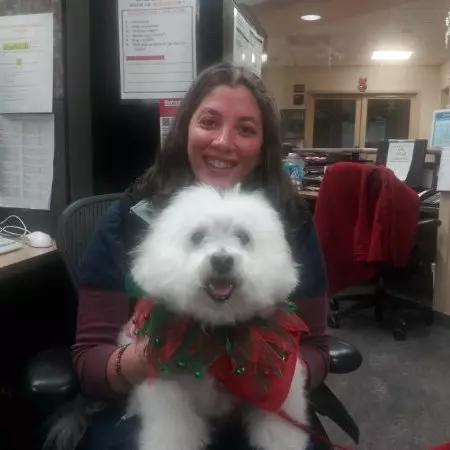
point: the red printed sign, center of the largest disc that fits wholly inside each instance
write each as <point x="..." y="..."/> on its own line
<point x="167" y="111"/>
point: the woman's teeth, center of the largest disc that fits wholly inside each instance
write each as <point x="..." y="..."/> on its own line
<point x="219" y="164"/>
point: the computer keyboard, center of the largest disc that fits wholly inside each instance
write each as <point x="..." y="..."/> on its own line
<point x="9" y="245"/>
<point x="433" y="200"/>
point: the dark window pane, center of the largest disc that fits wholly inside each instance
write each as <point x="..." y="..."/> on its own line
<point x="334" y="123"/>
<point x="387" y="119"/>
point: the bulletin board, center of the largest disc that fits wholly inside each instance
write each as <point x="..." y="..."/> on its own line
<point x="15" y="7"/>
<point x="37" y="219"/>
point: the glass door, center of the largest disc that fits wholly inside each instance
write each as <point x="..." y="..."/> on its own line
<point x="360" y="120"/>
<point x="336" y="121"/>
<point x="385" y="118"/>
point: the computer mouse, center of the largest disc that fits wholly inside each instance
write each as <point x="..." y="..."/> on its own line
<point x="38" y="239"/>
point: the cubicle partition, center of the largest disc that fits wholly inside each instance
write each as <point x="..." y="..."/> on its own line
<point x="37" y="304"/>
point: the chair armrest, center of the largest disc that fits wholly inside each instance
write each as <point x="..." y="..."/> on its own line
<point x="435" y="223"/>
<point x="50" y="380"/>
<point x="324" y="401"/>
<point x="344" y="356"/>
<point x="426" y="194"/>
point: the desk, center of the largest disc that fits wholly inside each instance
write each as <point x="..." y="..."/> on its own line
<point x="309" y="195"/>
<point x="18" y="260"/>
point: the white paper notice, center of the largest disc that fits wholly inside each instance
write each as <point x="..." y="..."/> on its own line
<point x="157" y="48"/>
<point x="26" y="64"/>
<point x="399" y="158"/>
<point x="248" y="44"/>
<point x="440" y="134"/>
<point x="27" y="146"/>
<point x="444" y="171"/>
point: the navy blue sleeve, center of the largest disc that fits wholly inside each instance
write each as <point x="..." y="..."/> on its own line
<point x="104" y="262"/>
<point x="308" y="255"/>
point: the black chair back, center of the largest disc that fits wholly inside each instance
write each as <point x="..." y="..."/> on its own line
<point x="76" y="227"/>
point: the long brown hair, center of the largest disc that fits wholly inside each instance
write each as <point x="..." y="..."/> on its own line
<point x="172" y="169"/>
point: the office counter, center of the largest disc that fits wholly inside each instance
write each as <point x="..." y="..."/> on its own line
<point x="361" y="150"/>
<point x="442" y="276"/>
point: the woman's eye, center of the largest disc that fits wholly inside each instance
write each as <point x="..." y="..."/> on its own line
<point x="197" y="237"/>
<point x="243" y="236"/>
<point x="247" y="130"/>
<point x="207" y="122"/>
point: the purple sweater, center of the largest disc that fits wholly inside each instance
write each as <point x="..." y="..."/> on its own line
<point x="104" y="306"/>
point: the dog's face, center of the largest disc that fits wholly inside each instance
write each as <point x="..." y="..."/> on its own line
<point x="221" y="258"/>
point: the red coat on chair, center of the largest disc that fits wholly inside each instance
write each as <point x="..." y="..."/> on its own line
<point x="364" y="216"/>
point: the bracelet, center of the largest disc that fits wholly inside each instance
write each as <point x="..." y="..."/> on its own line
<point x="118" y="364"/>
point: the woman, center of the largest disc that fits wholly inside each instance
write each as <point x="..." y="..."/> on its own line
<point x="226" y="131"/>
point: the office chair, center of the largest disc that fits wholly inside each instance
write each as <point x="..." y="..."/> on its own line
<point x="394" y="291"/>
<point x="50" y="379"/>
<point x="387" y="288"/>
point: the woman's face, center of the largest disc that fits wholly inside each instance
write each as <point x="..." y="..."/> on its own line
<point x="225" y="136"/>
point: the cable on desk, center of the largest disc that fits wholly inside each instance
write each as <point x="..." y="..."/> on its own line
<point x="13" y="230"/>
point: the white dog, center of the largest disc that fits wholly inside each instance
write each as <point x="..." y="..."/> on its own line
<point x="222" y="259"/>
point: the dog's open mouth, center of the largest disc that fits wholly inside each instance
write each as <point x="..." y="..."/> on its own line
<point x="220" y="289"/>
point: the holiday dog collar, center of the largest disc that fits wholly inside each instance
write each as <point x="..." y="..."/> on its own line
<point x="255" y="360"/>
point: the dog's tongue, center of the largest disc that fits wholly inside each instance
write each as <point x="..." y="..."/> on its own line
<point x="220" y="288"/>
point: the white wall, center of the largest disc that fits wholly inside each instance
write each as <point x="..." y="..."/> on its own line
<point x="445" y="75"/>
<point x="425" y="81"/>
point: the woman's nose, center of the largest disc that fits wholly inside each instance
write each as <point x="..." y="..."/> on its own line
<point x="224" y="139"/>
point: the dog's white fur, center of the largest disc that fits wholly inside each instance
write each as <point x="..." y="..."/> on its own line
<point x="169" y="267"/>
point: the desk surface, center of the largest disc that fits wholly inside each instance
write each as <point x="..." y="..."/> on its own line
<point x="432" y="151"/>
<point x="310" y="195"/>
<point x="24" y="255"/>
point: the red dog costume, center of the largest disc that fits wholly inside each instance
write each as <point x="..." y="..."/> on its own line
<point x="255" y="361"/>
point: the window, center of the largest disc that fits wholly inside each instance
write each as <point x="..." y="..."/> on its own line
<point x="334" y="122"/>
<point x="359" y="120"/>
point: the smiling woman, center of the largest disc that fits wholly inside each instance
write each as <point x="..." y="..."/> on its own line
<point x="226" y="132"/>
<point x="225" y="136"/>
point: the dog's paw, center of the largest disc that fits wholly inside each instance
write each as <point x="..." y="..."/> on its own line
<point x="270" y="432"/>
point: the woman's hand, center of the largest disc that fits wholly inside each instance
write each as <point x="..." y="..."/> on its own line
<point x="134" y="367"/>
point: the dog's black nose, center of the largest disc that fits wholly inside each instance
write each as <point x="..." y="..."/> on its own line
<point x="222" y="263"/>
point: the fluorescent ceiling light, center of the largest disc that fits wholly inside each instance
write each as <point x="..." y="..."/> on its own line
<point x="391" y="55"/>
<point x="311" y="17"/>
<point x="264" y="57"/>
<point x="253" y="58"/>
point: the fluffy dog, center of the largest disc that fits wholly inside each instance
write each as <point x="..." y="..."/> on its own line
<point x="222" y="259"/>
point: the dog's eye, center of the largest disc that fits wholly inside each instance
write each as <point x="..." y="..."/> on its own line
<point x="243" y="237"/>
<point x="198" y="237"/>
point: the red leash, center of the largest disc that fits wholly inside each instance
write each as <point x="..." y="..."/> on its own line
<point x="310" y="431"/>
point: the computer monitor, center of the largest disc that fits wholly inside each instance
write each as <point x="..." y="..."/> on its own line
<point x="406" y="158"/>
<point x="440" y="129"/>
